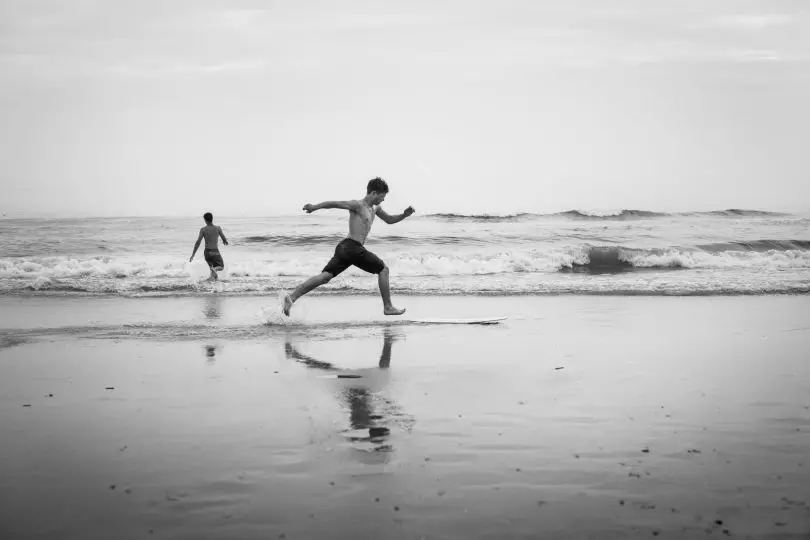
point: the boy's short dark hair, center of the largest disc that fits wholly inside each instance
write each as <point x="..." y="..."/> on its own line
<point x="208" y="217"/>
<point x="377" y="184"/>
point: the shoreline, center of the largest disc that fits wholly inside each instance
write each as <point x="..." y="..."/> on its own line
<point x="604" y="417"/>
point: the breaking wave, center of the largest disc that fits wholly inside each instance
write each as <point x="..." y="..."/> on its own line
<point x="478" y="269"/>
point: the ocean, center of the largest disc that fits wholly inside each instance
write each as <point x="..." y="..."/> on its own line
<point x="632" y="252"/>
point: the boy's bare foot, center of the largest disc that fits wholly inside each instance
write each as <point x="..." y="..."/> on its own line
<point x="287" y="305"/>
<point x="391" y="310"/>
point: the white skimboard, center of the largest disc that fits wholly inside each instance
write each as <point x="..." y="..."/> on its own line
<point x="481" y="320"/>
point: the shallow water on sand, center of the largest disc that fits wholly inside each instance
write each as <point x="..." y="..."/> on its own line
<point x="576" y="418"/>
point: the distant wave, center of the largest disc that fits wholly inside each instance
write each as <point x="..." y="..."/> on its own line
<point x="757" y="245"/>
<point x="736" y="212"/>
<point x="570" y="214"/>
<point x="305" y="240"/>
<point x="627" y="214"/>
<point x="483" y="217"/>
<point x="294" y="239"/>
<point x="622" y="215"/>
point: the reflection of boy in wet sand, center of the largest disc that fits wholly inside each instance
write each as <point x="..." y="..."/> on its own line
<point x="359" y="397"/>
<point x="211" y="233"/>
<point x="351" y="251"/>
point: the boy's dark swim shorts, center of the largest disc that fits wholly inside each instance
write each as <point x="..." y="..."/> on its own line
<point x="351" y="252"/>
<point x="213" y="258"/>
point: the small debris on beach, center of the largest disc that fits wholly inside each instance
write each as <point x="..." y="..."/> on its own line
<point x="26" y="404"/>
<point x="51" y="395"/>
<point x="693" y="451"/>
<point x="646" y="450"/>
<point x="112" y="486"/>
<point x="342" y="376"/>
<point x="109" y="388"/>
<point x="558" y="368"/>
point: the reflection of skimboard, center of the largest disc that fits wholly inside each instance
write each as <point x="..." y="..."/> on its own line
<point x="483" y="320"/>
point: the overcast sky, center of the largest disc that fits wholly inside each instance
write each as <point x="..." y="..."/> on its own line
<point x="174" y="107"/>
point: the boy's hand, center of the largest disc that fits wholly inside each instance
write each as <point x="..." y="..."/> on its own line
<point x="408" y="211"/>
<point x="309" y="208"/>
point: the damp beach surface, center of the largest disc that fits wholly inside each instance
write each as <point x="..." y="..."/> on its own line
<point x="578" y="417"/>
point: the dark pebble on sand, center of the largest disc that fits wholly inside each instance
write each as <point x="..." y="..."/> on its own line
<point x="718" y="521"/>
<point x="376" y="499"/>
<point x="331" y="483"/>
<point x="655" y="533"/>
<point x="26" y="404"/>
<point x="645" y="450"/>
<point x="349" y="376"/>
<point x="621" y="502"/>
<point x="51" y="395"/>
<point x="112" y="486"/>
<point x="396" y="509"/>
<point x="780" y="524"/>
<point x="558" y="368"/>
<point x="109" y="388"/>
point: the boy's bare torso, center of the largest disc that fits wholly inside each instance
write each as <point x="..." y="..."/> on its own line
<point x="211" y="235"/>
<point x="360" y="220"/>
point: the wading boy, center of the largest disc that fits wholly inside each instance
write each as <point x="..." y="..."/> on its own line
<point x="211" y="233"/>
<point x="351" y="250"/>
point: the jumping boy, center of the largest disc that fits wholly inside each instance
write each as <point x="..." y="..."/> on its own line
<point x="211" y="233"/>
<point x="351" y="251"/>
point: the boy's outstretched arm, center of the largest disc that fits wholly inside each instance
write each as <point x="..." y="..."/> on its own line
<point x="222" y="235"/>
<point x="196" y="246"/>
<point x="388" y="218"/>
<point x="345" y="205"/>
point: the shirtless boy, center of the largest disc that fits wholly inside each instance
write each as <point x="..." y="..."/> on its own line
<point x="211" y="233"/>
<point x="351" y="250"/>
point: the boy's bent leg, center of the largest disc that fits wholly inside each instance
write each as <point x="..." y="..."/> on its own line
<point x="304" y="288"/>
<point x="385" y="292"/>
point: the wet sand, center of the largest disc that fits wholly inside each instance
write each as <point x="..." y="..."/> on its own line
<point x="579" y="417"/>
